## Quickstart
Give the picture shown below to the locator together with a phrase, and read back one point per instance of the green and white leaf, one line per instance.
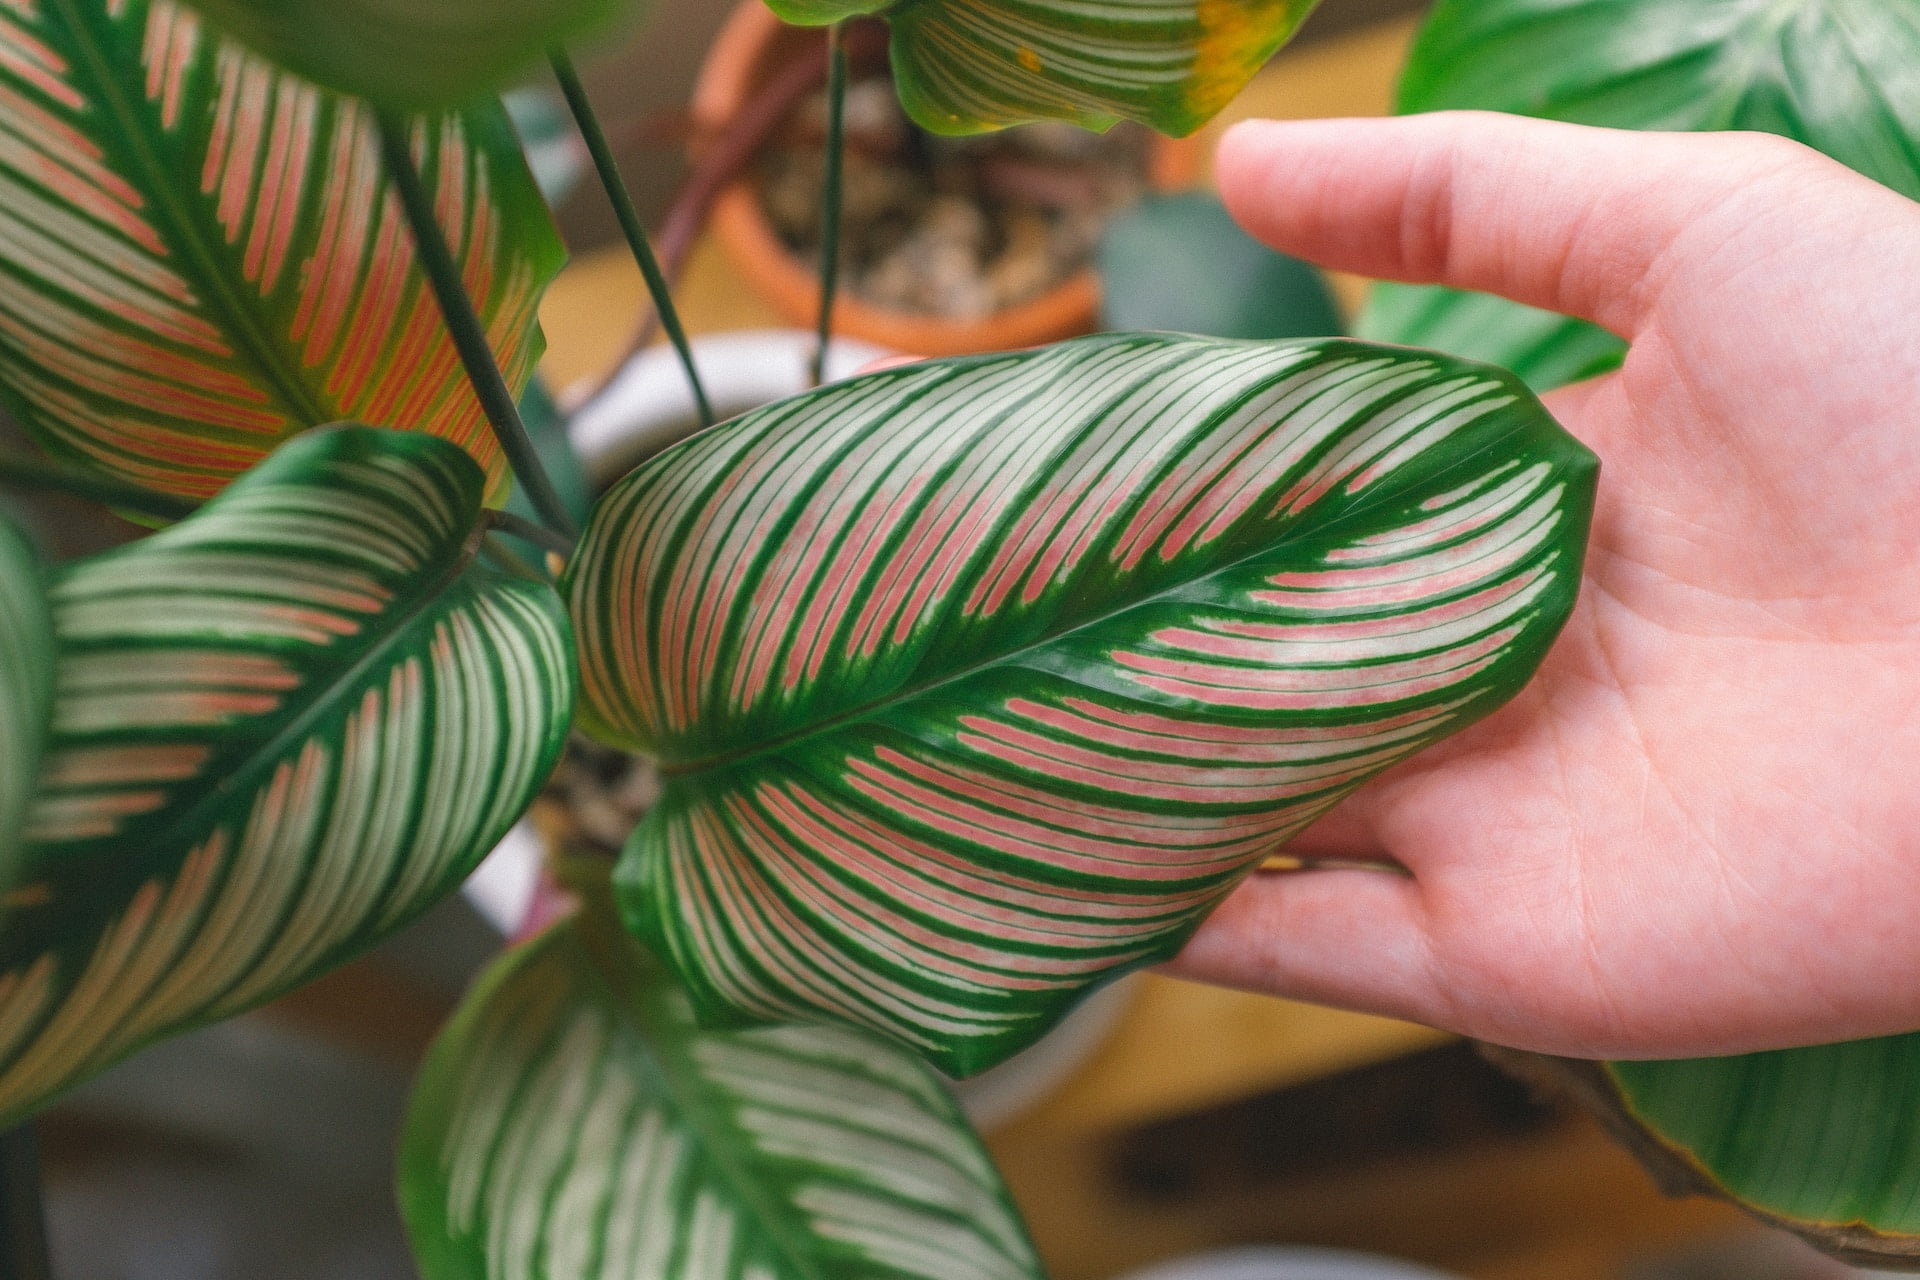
(26, 687)
(968, 66)
(282, 728)
(410, 54)
(199, 255)
(573, 1123)
(980, 682)
(1842, 76)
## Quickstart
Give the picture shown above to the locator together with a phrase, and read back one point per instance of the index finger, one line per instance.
(1565, 217)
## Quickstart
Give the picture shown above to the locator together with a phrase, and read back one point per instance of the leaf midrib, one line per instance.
(640, 1013)
(772, 746)
(213, 284)
(238, 773)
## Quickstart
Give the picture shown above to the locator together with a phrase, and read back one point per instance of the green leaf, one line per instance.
(26, 686)
(1181, 264)
(1823, 1141)
(282, 728)
(202, 258)
(572, 1123)
(1842, 76)
(410, 54)
(979, 682)
(1546, 350)
(968, 66)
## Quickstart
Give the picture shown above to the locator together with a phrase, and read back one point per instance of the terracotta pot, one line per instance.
(746, 54)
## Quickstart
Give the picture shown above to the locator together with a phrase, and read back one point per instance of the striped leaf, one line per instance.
(199, 256)
(979, 682)
(1822, 1141)
(968, 66)
(282, 728)
(410, 54)
(26, 687)
(1842, 76)
(572, 1123)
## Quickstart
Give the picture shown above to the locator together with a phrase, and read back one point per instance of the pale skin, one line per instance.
(1698, 830)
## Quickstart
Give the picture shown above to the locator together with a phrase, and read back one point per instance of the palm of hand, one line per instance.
(1697, 831)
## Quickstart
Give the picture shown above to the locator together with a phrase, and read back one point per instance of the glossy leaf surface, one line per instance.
(198, 255)
(410, 54)
(282, 728)
(979, 682)
(1842, 76)
(26, 687)
(572, 1123)
(967, 66)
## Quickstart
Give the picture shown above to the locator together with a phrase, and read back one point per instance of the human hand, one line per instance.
(1698, 831)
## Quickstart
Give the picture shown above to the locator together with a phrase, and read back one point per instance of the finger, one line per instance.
(1355, 939)
(1560, 216)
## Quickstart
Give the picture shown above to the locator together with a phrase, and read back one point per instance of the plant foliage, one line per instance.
(282, 728)
(965, 710)
(409, 54)
(1842, 76)
(201, 258)
(26, 687)
(1818, 1139)
(572, 1123)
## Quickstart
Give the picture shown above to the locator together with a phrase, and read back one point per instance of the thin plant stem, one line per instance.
(506, 558)
(37, 474)
(831, 183)
(528, 531)
(616, 187)
(719, 164)
(23, 1226)
(469, 336)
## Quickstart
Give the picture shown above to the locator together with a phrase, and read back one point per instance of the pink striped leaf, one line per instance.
(199, 256)
(574, 1123)
(979, 682)
(282, 728)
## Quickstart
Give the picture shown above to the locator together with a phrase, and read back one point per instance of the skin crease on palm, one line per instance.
(1698, 830)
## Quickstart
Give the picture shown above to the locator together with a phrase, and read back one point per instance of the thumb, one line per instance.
(1569, 218)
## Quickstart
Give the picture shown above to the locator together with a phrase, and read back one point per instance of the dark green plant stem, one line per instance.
(506, 559)
(527, 531)
(469, 336)
(23, 1227)
(616, 188)
(39, 475)
(831, 183)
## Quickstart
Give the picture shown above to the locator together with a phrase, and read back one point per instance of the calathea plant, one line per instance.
(976, 683)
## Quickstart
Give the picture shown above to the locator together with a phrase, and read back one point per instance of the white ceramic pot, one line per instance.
(1277, 1263)
(648, 405)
